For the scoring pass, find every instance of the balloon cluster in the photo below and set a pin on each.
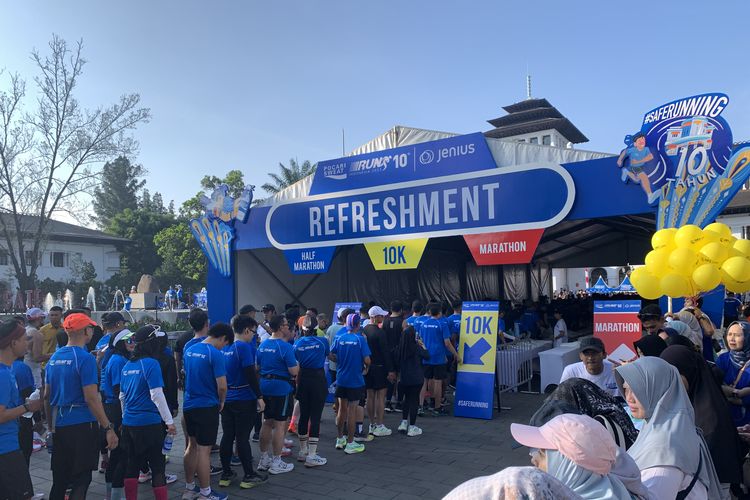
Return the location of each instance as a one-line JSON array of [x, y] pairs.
[[688, 260]]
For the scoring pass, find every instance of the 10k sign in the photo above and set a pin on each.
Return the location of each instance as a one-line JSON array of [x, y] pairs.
[[388, 255], [477, 346]]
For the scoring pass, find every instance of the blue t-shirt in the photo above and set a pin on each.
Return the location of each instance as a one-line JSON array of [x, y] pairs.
[[190, 343], [416, 322], [636, 156], [454, 323], [275, 357], [24, 377], [103, 342], [350, 350], [731, 307], [203, 365], [112, 377], [434, 333], [237, 357], [138, 378], [68, 371], [311, 352], [10, 399], [501, 325]]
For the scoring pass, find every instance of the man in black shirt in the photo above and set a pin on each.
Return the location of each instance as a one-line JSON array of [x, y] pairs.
[[381, 371]]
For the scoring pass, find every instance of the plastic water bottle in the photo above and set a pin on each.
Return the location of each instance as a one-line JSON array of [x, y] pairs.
[[167, 446], [32, 397], [49, 441]]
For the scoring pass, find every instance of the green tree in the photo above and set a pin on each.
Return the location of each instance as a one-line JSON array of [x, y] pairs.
[[50, 151], [120, 184], [182, 259], [83, 271], [234, 180], [288, 176]]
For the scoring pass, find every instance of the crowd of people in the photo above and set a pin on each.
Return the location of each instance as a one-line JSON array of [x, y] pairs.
[[671, 423], [109, 397]]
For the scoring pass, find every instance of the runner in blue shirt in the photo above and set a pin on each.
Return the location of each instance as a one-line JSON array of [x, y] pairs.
[[205, 391], [277, 366], [15, 481], [352, 356], [117, 354], [436, 338], [25, 382], [311, 352], [74, 406], [417, 318], [242, 403], [144, 409], [198, 320]]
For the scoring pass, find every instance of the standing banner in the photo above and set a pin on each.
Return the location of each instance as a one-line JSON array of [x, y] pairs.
[[616, 323], [477, 346]]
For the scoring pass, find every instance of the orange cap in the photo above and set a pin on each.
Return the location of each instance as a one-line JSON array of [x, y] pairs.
[[77, 321]]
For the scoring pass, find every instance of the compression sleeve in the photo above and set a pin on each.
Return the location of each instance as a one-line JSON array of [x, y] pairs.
[[157, 396]]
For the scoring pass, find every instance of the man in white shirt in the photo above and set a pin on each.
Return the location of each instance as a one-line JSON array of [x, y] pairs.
[[593, 366], [560, 332]]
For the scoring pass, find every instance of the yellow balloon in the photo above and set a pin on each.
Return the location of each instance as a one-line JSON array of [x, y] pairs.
[[649, 287], [734, 286], [689, 236], [683, 261], [729, 243], [663, 238], [706, 277], [737, 268], [742, 246], [675, 285], [657, 262], [714, 253], [709, 237], [636, 274], [721, 229]]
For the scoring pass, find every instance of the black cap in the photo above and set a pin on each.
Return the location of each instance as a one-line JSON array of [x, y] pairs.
[[247, 309], [592, 343], [145, 333], [112, 318], [267, 307]]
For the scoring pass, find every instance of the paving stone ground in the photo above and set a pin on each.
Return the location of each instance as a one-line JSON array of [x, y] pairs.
[[451, 451]]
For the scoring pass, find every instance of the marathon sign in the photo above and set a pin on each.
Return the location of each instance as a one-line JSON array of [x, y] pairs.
[[616, 323], [309, 260], [494, 200], [514, 247]]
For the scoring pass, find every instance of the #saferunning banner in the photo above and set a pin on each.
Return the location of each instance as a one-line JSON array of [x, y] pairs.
[[616, 323]]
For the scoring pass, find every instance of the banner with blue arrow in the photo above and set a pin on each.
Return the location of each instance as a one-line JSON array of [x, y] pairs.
[[477, 346]]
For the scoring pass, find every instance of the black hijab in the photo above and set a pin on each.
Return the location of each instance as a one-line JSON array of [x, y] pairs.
[[407, 346], [593, 401], [650, 345], [712, 414]]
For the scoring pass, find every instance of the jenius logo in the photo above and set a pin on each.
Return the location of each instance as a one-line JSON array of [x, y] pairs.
[[61, 362], [191, 354]]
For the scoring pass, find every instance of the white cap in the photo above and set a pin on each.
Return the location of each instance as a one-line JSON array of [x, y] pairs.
[[377, 311]]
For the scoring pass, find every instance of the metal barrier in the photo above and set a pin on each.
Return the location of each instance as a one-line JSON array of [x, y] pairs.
[[514, 367]]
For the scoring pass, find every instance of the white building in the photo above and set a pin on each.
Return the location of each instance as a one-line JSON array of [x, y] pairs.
[[66, 244]]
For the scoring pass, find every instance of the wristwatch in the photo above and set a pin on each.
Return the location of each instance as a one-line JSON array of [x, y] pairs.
[[109, 427]]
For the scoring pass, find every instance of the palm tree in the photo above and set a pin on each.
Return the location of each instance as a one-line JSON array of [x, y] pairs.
[[288, 176]]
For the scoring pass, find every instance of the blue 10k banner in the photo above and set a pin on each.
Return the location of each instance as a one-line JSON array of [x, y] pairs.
[[477, 347]]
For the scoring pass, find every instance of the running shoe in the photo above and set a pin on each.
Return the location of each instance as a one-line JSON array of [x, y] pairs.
[[288, 443], [280, 467], [226, 478], [381, 431], [371, 428], [265, 462], [235, 461], [285, 452], [403, 426], [315, 461], [340, 443], [215, 495], [413, 431], [256, 437], [191, 494], [252, 480], [143, 477], [363, 438], [389, 408], [353, 448], [420, 411], [301, 456], [170, 478], [104, 464], [216, 470]]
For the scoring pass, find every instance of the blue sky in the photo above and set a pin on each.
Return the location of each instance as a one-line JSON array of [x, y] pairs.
[[249, 84]]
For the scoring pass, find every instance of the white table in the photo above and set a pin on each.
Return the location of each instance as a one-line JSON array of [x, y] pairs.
[[553, 361], [511, 358]]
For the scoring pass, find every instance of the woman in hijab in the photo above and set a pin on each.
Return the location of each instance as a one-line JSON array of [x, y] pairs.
[[409, 355], [576, 450], [734, 364], [591, 400], [650, 345], [712, 413], [513, 483], [687, 326], [671, 454]]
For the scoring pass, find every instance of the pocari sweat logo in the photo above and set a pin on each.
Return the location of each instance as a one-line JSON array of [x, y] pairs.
[[335, 171]]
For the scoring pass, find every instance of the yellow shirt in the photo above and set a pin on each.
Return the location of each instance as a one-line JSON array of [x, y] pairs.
[[49, 344]]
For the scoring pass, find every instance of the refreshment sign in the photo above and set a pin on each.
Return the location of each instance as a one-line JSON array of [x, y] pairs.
[[616, 323], [477, 346]]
